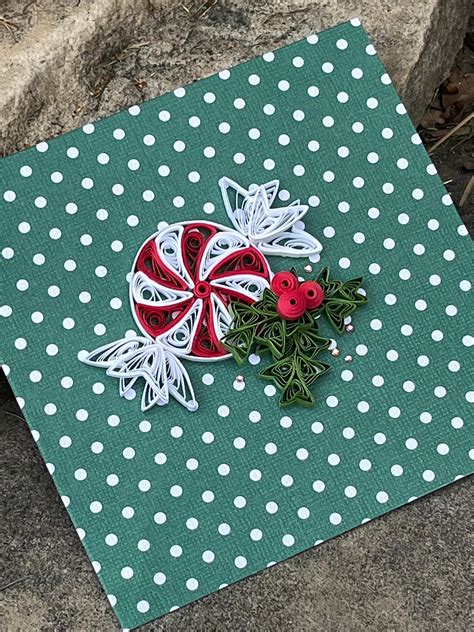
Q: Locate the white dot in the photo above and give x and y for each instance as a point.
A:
(449, 255)
(342, 97)
(457, 423)
(40, 202)
(223, 411)
(269, 109)
(387, 133)
(256, 535)
(128, 453)
(380, 438)
(176, 491)
(144, 485)
(350, 491)
(271, 507)
(440, 391)
(328, 121)
(378, 381)
(428, 476)
(36, 317)
(335, 518)
(99, 329)
(451, 310)
(358, 182)
(143, 606)
(143, 545)
(22, 285)
(254, 133)
(388, 188)
(411, 444)
(373, 213)
(302, 454)
(374, 268)
(20, 343)
(128, 512)
(224, 127)
(365, 465)
(357, 73)
(254, 475)
(224, 528)
(442, 449)
(361, 350)
(372, 103)
(95, 506)
(319, 486)
(194, 121)
(317, 427)
(42, 147)
(67, 382)
(298, 115)
(417, 194)
(372, 157)
(23, 227)
(52, 349)
(26, 171)
(269, 390)
(117, 189)
(111, 539)
(271, 448)
(334, 459)
(394, 412)
(344, 263)
(437, 335)
(207, 437)
(381, 497)
(376, 324)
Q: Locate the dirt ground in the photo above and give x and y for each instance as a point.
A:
(452, 105)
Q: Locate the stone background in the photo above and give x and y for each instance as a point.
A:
(65, 62)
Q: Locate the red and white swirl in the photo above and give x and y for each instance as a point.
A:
(183, 280)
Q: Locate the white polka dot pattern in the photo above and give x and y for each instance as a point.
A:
(242, 484)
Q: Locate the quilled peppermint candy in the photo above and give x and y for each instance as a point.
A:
(183, 280)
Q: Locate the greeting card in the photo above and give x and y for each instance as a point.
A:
(236, 318)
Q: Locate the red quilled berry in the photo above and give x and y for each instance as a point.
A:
(291, 305)
(313, 294)
(284, 282)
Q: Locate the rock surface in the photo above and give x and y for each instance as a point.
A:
(65, 64)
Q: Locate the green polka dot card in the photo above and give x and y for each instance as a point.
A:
(236, 318)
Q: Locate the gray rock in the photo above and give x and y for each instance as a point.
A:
(63, 65)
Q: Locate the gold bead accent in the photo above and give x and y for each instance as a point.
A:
(350, 328)
(308, 268)
(348, 358)
(240, 378)
(336, 352)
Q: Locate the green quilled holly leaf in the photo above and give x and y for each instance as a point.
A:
(294, 375)
(293, 345)
(341, 298)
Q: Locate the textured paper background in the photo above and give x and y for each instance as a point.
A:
(321, 116)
